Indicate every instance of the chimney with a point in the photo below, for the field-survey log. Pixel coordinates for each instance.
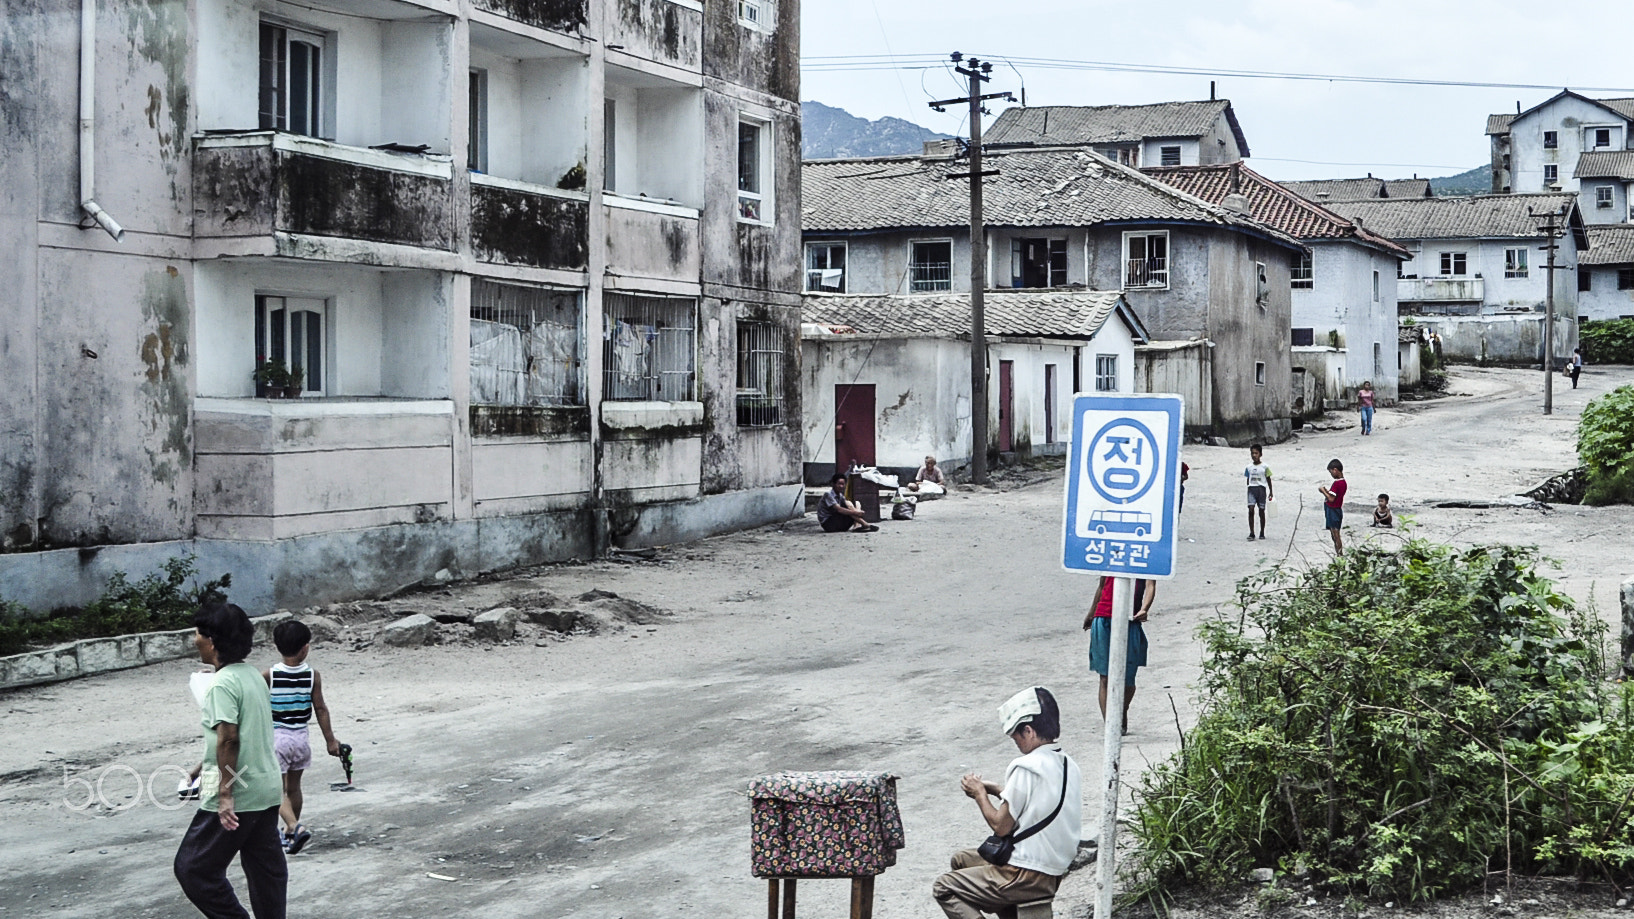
(1236, 203)
(1236, 178)
(945, 149)
(1211, 90)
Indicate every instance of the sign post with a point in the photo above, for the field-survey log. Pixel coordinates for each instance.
(1122, 488)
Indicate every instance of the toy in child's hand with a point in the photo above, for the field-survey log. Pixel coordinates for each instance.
(345, 763)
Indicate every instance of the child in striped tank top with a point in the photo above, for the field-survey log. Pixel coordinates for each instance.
(296, 692)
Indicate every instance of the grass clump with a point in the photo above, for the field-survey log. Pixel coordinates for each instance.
(1605, 444)
(1400, 723)
(155, 603)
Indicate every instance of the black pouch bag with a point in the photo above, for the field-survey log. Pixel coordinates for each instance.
(996, 849)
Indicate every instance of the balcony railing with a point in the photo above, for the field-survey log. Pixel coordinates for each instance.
(1146, 272)
(558, 15)
(924, 277)
(1429, 289)
(518, 224)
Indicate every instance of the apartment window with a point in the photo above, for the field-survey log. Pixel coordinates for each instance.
(825, 267)
(1551, 140)
(1049, 403)
(527, 345)
(930, 266)
(476, 144)
(1551, 173)
(1299, 274)
(293, 331)
(1259, 373)
(754, 171)
(1127, 156)
(291, 80)
(1625, 279)
(1303, 338)
(1106, 373)
(1515, 263)
(1584, 280)
(609, 144)
(1602, 197)
(1262, 286)
(760, 373)
(1146, 261)
(1602, 137)
(1038, 262)
(1375, 286)
(1454, 264)
(649, 348)
(756, 13)
(1170, 156)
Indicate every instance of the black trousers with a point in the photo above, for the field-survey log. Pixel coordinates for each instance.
(207, 850)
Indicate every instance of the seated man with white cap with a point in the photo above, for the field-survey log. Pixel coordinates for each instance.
(1040, 809)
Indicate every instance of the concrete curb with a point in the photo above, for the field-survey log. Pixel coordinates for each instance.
(90, 656)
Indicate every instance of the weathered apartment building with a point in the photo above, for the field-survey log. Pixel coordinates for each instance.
(536, 261)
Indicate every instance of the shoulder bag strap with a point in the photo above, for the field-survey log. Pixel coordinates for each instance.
(1017, 837)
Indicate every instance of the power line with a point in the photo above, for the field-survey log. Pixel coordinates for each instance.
(867, 62)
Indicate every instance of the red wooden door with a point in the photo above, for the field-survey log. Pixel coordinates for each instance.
(853, 425)
(1007, 396)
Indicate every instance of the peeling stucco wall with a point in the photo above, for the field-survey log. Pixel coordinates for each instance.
(560, 15)
(518, 228)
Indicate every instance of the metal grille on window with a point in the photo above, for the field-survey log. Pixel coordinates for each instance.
(526, 345)
(1106, 373)
(930, 267)
(649, 348)
(760, 373)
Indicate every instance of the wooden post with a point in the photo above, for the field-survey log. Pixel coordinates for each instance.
(788, 898)
(862, 898)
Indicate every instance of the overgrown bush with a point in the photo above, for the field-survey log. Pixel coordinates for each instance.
(1605, 444)
(1607, 341)
(155, 603)
(1401, 723)
(1434, 379)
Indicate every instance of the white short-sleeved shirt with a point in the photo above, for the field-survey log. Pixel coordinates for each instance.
(1032, 786)
(1258, 475)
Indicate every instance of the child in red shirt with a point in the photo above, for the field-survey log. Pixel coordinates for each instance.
(1333, 507)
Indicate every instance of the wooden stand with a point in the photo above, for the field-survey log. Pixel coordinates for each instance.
(862, 898)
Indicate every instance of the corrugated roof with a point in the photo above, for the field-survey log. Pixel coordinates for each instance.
(1052, 313)
(1059, 125)
(1407, 188)
(1499, 124)
(1269, 202)
(1324, 190)
(1045, 187)
(1473, 217)
(1605, 164)
(1609, 245)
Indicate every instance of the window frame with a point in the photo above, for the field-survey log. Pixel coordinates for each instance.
(320, 104)
(829, 246)
(1106, 372)
(1551, 173)
(762, 406)
(488, 304)
(1605, 197)
(1454, 264)
(648, 306)
(1516, 263)
(1597, 134)
(1055, 249)
(1375, 285)
(756, 205)
(918, 285)
(1125, 260)
(757, 14)
(1585, 280)
(263, 318)
(1163, 154)
(1302, 273)
(1259, 373)
(1625, 279)
(476, 141)
(1551, 140)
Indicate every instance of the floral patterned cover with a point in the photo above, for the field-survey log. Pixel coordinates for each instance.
(824, 824)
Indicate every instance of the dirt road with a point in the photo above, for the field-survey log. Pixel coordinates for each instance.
(604, 776)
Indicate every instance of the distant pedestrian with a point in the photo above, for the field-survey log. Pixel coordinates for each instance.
(1260, 488)
(1575, 368)
(241, 787)
(297, 698)
(1382, 517)
(1333, 505)
(1364, 396)
(1098, 623)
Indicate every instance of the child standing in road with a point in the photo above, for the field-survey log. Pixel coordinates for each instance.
(297, 695)
(1333, 505)
(1381, 514)
(1260, 489)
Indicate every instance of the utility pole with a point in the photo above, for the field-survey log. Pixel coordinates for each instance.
(1551, 232)
(978, 72)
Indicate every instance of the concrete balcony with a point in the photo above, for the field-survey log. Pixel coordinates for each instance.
(646, 239)
(556, 15)
(256, 192)
(667, 31)
(1440, 289)
(515, 223)
(273, 469)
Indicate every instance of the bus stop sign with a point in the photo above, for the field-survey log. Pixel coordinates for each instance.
(1123, 479)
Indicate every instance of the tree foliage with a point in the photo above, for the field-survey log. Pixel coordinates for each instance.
(1399, 723)
(1607, 341)
(1605, 444)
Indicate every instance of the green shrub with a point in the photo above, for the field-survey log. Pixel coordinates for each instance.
(1434, 379)
(1607, 341)
(1605, 444)
(155, 603)
(1400, 723)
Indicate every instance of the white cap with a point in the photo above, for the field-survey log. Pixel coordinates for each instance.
(1020, 709)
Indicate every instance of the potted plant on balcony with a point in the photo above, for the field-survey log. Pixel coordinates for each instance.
(271, 378)
(294, 382)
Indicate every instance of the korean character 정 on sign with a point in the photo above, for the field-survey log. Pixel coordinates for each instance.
(1095, 551)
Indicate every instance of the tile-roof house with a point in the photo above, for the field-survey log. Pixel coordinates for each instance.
(1159, 134)
(1537, 150)
(1324, 190)
(1606, 274)
(1343, 291)
(1067, 217)
(914, 352)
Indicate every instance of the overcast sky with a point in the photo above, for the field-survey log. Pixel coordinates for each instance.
(1349, 129)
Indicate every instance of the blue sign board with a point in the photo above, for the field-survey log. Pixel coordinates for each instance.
(1123, 479)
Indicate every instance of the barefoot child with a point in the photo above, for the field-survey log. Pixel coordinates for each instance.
(1333, 505)
(297, 695)
(1381, 514)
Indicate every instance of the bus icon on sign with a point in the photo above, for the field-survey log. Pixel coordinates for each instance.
(1104, 522)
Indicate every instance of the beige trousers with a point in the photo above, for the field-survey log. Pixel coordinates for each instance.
(974, 886)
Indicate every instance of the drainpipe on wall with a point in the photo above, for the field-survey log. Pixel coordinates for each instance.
(87, 122)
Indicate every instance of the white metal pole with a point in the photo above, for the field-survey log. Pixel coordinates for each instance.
(1117, 666)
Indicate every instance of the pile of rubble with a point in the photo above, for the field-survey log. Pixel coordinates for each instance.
(539, 616)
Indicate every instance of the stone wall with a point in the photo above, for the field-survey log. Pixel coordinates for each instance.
(100, 655)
